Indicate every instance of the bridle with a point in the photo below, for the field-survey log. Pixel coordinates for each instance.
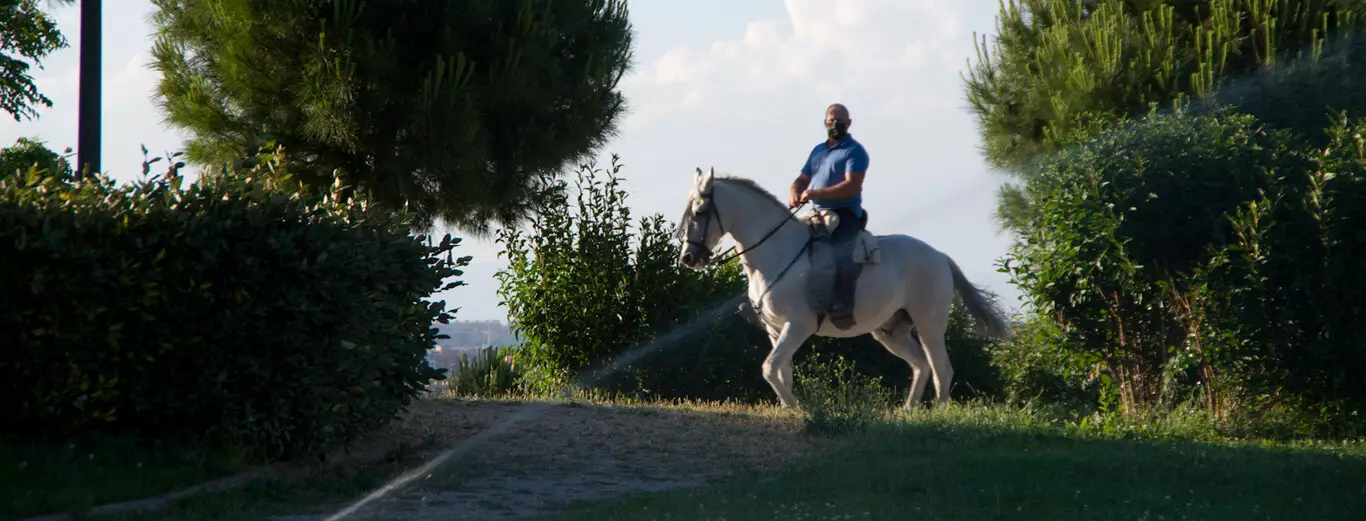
(711, 211)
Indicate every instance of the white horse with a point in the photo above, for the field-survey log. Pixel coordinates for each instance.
(911, 283)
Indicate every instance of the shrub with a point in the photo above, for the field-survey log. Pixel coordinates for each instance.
(1202, 258)
(835, 398)
(1120, 212)
(1035, 366)
(227, 308)
(1290, 287)
(486, 373)
(584, 288)
(26, 153)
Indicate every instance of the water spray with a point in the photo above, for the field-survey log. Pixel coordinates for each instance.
(588, 378)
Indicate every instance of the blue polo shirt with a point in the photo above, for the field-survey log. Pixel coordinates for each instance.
(827, 166)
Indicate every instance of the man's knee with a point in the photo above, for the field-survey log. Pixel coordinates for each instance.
(848, 227)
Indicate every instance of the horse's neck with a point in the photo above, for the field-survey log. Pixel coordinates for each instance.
(751, 232)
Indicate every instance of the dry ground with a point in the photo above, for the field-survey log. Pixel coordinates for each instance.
(552, 455)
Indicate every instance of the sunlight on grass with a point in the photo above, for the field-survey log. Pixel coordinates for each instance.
(981, 461)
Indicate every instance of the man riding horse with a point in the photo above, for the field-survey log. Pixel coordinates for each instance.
(832, 181)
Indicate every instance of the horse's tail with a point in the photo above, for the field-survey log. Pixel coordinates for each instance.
(989, 321)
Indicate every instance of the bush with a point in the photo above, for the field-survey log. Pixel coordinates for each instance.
(27, 153)
(1117, 214)
(1290, 287)
(1035, 366)
(486, 373)
(584, 289)
(835, 398)
(228, 309)
(1202, 258)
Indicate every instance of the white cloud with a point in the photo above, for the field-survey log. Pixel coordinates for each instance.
(849, 50)
(838, 45)
(136, 73)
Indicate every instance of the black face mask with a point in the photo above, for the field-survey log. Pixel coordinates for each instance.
(838, 130)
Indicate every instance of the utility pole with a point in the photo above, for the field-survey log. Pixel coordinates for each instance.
(89, 107)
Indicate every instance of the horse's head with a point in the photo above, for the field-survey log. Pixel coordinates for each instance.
(701, 226)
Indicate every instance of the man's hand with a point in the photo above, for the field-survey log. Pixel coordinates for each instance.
(797, 195)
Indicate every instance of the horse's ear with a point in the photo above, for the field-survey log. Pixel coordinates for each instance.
(705, 185)
(699, 171)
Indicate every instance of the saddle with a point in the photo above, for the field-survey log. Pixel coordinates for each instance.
(835, 268)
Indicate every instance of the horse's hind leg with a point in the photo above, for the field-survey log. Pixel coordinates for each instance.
(899, 342)
(932, 329)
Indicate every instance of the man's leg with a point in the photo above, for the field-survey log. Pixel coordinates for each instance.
(846, 270)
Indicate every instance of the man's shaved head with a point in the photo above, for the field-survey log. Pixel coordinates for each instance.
(837, 111)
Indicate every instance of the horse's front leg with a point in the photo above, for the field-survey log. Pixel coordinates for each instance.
(778, 365)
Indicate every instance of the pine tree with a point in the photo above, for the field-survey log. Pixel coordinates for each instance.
(459, 111)
(1059, 66)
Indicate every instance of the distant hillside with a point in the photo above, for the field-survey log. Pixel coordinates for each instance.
(465, 338)
(475, 334)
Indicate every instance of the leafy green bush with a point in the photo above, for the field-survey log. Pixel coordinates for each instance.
(584, 288)
(227, 308)
(1291, 287)
(486, 373)
(1202, 258)
(1035, 367)
(26, 153)
(1119, 213)
(835, 397)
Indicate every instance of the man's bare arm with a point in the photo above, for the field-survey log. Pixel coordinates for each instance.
(851, 185)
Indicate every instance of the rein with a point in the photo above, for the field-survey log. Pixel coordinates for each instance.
(714, 210)
(775, 229)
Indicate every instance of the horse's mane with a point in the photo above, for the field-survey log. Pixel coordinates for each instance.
(744, 184)
(752, 186)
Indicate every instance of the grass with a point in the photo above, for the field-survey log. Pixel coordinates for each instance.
(316, 493)
(971, 461)
(277, 497)
(44, 478)
(304, 491)
(983, 462)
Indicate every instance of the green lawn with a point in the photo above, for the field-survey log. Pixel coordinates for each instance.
(961, 462)
(994, 464)
(38, 479)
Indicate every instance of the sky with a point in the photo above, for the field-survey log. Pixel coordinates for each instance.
(738, 86)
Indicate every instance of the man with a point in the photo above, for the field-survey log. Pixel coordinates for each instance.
(832, 179)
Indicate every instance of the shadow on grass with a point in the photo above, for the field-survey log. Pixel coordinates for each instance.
(923, 471)
(44, 478)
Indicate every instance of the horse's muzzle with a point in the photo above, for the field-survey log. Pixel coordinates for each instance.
(694, 257)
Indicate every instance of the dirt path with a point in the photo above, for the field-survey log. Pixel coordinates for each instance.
(559, 454)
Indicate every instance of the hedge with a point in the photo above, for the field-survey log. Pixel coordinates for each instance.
(228, 308)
